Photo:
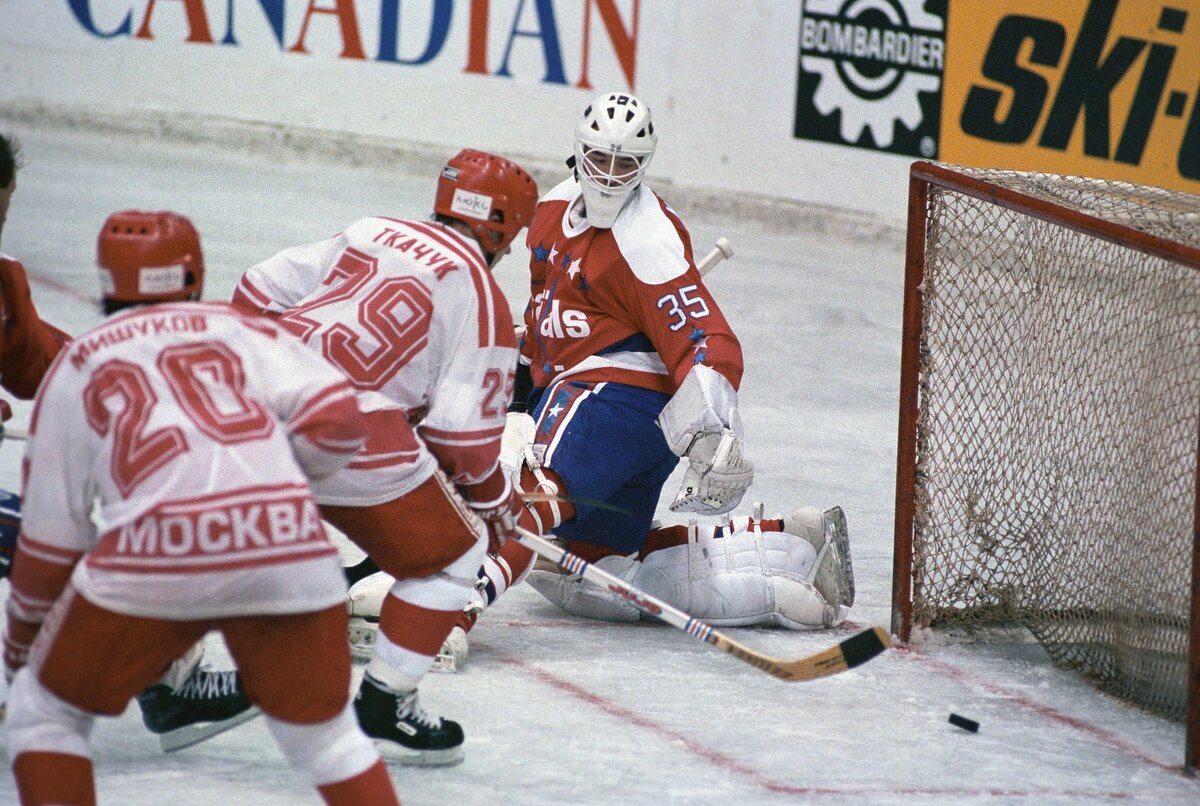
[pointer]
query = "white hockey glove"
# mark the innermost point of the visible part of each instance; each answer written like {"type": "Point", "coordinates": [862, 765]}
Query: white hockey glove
{"type": "Point", "coordinates": [717, 475]}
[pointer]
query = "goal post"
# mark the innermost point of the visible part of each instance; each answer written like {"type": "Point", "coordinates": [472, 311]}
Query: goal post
{"type": "Point", "coordinates": [1049, 426]}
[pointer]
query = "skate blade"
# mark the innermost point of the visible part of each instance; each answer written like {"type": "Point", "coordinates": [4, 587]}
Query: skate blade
{"type": "Point", "coordinates": [841, 537]}
{"type": "Point", "coordinates": [190, 735]}
{"type": "Point", "coordinates": [399, 755]}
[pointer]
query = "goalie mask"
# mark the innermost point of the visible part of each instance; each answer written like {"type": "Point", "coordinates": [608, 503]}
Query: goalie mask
{"type": "Point", "coordinates": [148, 257]}
{"type": "Point", "coordinates": [495, 197]}
{"type": "Point", "coordinates": [614, 141]}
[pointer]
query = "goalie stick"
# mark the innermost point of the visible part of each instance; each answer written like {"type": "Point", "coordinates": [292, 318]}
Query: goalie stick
{"type": "Point", "coordinates": [13, 433]}
{"type": "Point", "coordinates": [847, 654]}
{"type": "Point", "coordinates": [722, 250]}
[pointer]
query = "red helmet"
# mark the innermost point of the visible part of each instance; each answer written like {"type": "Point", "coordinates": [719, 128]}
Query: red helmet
{"type": "Point", "coordinates": [148, 257]}
{"type": "Point", "coordinates": [492, 195]}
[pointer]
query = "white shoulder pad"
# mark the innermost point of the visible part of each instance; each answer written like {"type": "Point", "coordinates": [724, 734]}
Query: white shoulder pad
{"type": "Point", "coordinates": [704, 403]}
{"type": "Point", "coordinates": [648, 240]}
{"type": "Point", "coordinates": [563, 191]}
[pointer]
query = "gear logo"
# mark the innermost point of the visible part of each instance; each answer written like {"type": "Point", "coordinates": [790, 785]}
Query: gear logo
{"type": "Point", "coordinates": [871, 74]}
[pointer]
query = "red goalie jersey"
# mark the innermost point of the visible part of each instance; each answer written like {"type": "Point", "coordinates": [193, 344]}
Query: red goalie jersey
{"type": "Point", "coordinates": [624, 304]}
{"type": "Point", "coordinates": [195, 428]}
{"type": "Point", "coordinates": [409, 311]}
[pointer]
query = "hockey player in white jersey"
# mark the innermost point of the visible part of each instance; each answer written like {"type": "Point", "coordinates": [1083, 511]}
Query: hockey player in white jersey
{"type": "Point", "coordinates": [409, 311]}
{"type": "Point", "coordinates": [166, 495]}
{"type": "Point", "coordinates": [145, 257]}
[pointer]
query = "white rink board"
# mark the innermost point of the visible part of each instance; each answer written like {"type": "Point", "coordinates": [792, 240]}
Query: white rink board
{"type": "Point", "coordinates": [720, 78]}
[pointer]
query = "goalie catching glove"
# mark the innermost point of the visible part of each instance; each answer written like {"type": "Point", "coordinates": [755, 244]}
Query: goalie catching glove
{"type": "Point", "coordinates": [495, 501]}
{"type": "Point", "coordinates": [717, 475]}
{"type": "Point", "coordinates": [700, 424]}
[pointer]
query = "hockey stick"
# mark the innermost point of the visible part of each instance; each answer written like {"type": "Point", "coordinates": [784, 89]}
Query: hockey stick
{"type": "Point", "coordinates": [722, 250]}
{"type": "Point", "coordinates": [849, 653]}
{"type": "Point", "coordinates": [13, 433]}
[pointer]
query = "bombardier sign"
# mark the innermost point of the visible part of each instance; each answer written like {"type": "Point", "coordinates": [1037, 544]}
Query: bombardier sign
{"type": "Point", "coordinates": [870, 74]}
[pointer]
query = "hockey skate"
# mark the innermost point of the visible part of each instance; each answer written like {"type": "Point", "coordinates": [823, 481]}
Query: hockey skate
{"type": "Point", "coordinates": [833, 571]}
{"type": "Point", "coordinates": [206, 705]}
{"type": "Point", "coordinates": [402, 731]}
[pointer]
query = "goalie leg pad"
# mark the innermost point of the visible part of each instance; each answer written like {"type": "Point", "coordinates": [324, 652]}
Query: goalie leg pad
{"type": "Point", "coordinates": [364, 602]}
{"type": "Point", "coordinates": [579, 597]}
{"type": "Point", "coordinates": [739, 580]}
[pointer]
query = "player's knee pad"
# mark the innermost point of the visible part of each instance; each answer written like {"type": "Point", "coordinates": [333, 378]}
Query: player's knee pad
{"type": "Point", "coordinates": [39, 721]}
{"type": "Point", "coordinates": [328, 751]}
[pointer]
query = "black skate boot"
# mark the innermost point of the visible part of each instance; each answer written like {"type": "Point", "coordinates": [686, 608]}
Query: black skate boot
{"type": "Point", "coordinates": [207, 704]}
{"type": "Point", "coordinates": [402, 731]}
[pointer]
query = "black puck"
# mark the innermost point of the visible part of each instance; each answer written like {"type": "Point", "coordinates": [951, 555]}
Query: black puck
{"type": "Point", "coordinates": [964, 723]}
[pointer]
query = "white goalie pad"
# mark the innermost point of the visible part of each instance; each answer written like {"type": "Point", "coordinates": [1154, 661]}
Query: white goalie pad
{"type": "Point", "coordinates": [745, 579]}
{"type": "Point", "coordinates": [364, 602]}
{"type": "Point", "coordinates": [581, 598]}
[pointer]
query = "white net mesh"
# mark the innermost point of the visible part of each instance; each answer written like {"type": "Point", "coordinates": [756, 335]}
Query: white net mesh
{"type": "Point", "coordinates": [1059, 397]}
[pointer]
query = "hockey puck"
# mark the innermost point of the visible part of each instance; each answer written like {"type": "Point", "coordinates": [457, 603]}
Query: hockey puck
{"type": "Point", "coordinates": [964, 723]}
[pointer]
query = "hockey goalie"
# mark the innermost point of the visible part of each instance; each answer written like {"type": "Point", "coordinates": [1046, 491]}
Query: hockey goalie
{"type": "Point", "coordinates": [792, 571]}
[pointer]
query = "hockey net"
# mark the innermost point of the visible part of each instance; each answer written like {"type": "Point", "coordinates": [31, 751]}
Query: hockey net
{"type": "Point", "coordinates": [1050, 407]}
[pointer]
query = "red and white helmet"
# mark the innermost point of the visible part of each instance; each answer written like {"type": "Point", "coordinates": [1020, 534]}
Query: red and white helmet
{"type": "Point", "coordinates": [148, 257]}
{"type": "Point", "coordinates": [614, 141]}
{"type": "Point", "coordinates": [494, 196]}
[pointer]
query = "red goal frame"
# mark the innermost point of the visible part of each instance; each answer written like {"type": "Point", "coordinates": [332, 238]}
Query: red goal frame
{"type": "Point", "coordinates": [921, 176]}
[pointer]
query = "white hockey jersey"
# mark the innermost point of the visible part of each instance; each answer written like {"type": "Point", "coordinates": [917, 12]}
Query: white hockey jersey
{"type": "Point", "coordinates": [170, 447]}
{"type": "Point", "coordinates": [409, 311]}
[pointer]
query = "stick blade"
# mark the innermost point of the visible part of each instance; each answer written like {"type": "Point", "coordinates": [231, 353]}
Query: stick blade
{"type": "Point", "coordinates": [854, 651]}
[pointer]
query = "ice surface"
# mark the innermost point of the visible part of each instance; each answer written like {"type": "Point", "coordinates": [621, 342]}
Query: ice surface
{"type": "Point", "coordinates": [561, 710]}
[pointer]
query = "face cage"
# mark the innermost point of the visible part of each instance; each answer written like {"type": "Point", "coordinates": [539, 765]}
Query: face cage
{"type": "Point", "coordinates": [611, 170]}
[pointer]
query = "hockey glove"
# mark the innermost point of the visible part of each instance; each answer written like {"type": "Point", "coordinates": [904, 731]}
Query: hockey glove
{"type": "Point", "coordinates": [495, 501]}
{"type": "Point", "coordinates": [717, 476]}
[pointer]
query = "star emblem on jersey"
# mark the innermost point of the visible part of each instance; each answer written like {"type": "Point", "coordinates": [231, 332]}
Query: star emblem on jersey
{"type": "Point", "coordinates": [540, 253]}
{"type": "Point", "coordinates": [697, 334]}
{"type": "Point", "coordinates": [574, 270]}
{"type": "Point", "coordinates": [566, 260]}
{"type": "Point", "coordinates": [701, 356]}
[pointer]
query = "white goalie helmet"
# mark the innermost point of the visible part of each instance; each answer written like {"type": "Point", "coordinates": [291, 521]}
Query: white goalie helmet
{"type": "Point", "coordinates": [614, 141]}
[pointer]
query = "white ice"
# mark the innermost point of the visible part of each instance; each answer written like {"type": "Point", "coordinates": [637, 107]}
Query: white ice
{"type": "Point", "coordinates": [561, 710]}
